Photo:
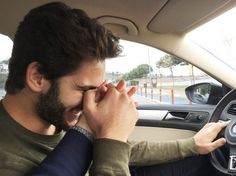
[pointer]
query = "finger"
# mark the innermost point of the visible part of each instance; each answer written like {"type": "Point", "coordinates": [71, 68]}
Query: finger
{"type": "Point", "coordinates": [103, 88]}
{"type": "Point", "coordinates": [105, 91]}
{"type": "Point", "coordinates": [132, 91]}
{"type": "Point", "coordinates": [111, 89]}
{"type": "Point", "coordinates": [209, 124]}
{"type": "Point", "coordinates": [220, 125]}
{"type": "Point", "coordinates": [223, 123]}
{"type": "Point", "coordinates": [101, 91]}
{"type": "Point", "coordinates": [103, 84]}
{"type": "Point", "coordinates": [218, 143]}
{"type": "Point", "coordinates": [121, 85]}
{"type": "Point", "coordinates": [110, 85]}
{"type": "Point", "coordinates": [89, 99]}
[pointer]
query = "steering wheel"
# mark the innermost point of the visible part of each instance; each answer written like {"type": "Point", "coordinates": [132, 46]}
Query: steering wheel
{"type": "Point", "coordinates": [220, 113]}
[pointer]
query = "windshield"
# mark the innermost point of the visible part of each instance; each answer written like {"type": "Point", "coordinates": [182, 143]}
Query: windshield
{"type": "Point", "coordinates": [218, 37]}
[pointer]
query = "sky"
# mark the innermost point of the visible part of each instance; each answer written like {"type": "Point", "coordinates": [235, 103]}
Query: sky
{"type": "Point", "coordinates": [217, 36]}
{"type": "Point", "coordinates": [5, 47]}
{"type": "Point", "coordinates": [133, 55]}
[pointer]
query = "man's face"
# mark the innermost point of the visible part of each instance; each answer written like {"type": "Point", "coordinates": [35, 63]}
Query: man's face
{"type": "Point", "coordinates": [62, 103]}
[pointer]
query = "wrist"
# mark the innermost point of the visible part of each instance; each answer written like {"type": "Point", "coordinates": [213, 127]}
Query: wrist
{"type": "Point", "coordinates": [112, 136]}
{"type": "Point", "coordinates": [83, 124]}
{"type": "Point", "coordinates": [83, 131]}
{"type": "Point", "coordinates": [198, 146]}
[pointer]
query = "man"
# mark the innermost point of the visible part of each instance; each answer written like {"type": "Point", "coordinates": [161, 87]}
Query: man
{"type": "Point", "coordinates": [58, 54]}
{"type": "Point", "coordinates": [56, 71]}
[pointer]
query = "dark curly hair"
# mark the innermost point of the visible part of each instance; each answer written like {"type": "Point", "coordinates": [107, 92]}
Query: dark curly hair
{"type": "Point", "coordinates": [59, 38]}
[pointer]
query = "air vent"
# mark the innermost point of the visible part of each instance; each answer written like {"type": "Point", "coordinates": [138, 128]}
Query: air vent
{"type": "Point", "coordinates": [232, 109]}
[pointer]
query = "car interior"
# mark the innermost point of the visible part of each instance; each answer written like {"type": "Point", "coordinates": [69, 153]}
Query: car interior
{"type": "Point", "coordinates": [162, 24]}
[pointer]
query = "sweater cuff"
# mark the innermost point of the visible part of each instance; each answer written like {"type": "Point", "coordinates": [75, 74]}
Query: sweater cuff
{"type": "Point", "coordinates": [187, 147]}
{"type": "Point", "coordinates": [110, 157]}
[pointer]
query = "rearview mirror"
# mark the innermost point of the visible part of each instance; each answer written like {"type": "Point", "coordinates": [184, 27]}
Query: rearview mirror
{"type": "Point", "coordinates": [204, 93]}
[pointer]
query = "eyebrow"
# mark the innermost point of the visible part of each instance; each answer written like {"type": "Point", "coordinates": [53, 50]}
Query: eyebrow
{"type": "Point", "coordinates": [86, 88]}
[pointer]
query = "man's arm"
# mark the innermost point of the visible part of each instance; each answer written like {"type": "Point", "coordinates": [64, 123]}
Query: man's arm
{"type": "Point", "coordinates": [111, 158]}
{"type": "Point", "coordinates": [72, 157]}
{"type": "Point", "coordinates": [149, 153]}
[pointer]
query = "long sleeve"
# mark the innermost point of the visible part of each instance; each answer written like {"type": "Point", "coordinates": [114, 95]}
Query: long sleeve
{"type": "Point", "coordinates": [71, 157]}
{"type": "Point", "coordinates": [110, 158]}
{"type": "Point", "coordinates": [148, 153]}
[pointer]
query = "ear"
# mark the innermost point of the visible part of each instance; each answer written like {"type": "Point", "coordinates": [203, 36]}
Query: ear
{"type": "Point", "coordinates": [34, 79]}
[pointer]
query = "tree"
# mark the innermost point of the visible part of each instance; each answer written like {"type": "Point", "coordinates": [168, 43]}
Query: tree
{"type": "Point", "coordinates": [177, 61]}
{"type": "Point", "coordinates": [5, 62]}
{"type": "Point", "coordinates": [143, 70]}
{"type": "Point", "coordinates": [139, 72]}
{"type": "Point", "coordinates": [168, 61]}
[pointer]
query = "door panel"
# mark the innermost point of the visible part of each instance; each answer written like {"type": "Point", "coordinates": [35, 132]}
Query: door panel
{"type": "Point", "coordinates": [168, 122]}
{"type": "Point", "coordinates": [159, 134]}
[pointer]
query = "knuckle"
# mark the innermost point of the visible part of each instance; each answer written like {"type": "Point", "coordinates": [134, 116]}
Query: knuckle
{"type": "Point", "coordinates": [219, 126]}
{"type": "Point", "coordinates": [125, 97]}
{"type": "Point", "coordinates": [113, 89]}
{"type": "Point", "coordinates": [216, 126]}
{"type": "Point", "coordinates": [210, 149]}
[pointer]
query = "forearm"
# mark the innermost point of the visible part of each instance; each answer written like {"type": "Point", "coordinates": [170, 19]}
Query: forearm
{"type": "Point", "coordinates": [71, 157]}
{"type": "Point", "coordinates": [110, 158]}
{"type": "Point", "coordinates": [149, 153]}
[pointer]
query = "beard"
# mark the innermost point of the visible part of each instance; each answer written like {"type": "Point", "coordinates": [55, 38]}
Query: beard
{"type": "Point", "coordinates": [51, 109]}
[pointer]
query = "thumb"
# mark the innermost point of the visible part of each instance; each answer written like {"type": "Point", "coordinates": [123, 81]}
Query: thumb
{"type": "Point", "coordinates": [89, 99]}
{"type": "Point", "coordinates": [218, 143]}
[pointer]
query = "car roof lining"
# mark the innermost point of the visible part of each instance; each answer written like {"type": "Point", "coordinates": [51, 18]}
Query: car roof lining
{"type": "Point", "coordinates": [162, 16]}
{"type": "Point", "coordinates": [169, 40]}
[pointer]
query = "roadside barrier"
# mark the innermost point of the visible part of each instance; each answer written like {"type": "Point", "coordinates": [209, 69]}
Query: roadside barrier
{"type": "Point", "coordinates": [169, 96]}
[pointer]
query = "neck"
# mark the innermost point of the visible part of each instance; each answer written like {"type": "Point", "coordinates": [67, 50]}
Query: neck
{"type": "Point", "coordinates": [21, 108]}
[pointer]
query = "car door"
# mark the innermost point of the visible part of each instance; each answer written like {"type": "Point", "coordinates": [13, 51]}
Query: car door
{"type": "Point", "coordinates": [165, 112]}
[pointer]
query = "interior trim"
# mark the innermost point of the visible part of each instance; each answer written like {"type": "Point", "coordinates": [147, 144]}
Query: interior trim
{"type": "Point", "coordinates": [132, 29]}
{"type": "Point", "coordinates": [159, 134]}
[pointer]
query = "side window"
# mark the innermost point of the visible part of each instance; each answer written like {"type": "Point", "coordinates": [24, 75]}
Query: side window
{"type": "Point", "coordinates": [5, 53]}
{"type": "Point", "coordinates": [158, 76]}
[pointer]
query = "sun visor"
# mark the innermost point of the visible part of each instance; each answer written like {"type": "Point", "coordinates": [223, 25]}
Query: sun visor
{"type": "Point", "coordinates": [174, 18]}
